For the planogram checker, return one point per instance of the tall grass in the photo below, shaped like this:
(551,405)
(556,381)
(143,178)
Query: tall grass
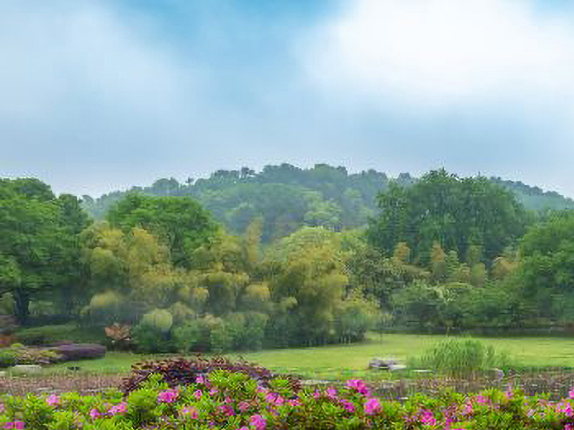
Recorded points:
(462,358)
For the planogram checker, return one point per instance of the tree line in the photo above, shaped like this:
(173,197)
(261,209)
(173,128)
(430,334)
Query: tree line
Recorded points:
(441,253)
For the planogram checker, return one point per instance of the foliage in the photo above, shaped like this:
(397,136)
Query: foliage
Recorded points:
(52,334)
(19,354)
(547,269)
(460,358)
(179,372)
(443,211)
(39,248)
(233,400)
(180,222)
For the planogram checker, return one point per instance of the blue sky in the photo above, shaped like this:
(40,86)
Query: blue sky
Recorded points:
(100,95)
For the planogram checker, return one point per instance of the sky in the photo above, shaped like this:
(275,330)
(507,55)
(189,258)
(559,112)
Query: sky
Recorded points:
(100,95)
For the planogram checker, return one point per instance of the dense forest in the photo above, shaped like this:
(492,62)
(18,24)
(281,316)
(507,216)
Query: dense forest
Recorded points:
(287,197)
(286,257)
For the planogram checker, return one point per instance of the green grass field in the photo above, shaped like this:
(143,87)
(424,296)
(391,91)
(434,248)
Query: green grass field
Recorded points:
(336,360)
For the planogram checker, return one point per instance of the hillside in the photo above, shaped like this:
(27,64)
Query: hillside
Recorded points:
(287,197)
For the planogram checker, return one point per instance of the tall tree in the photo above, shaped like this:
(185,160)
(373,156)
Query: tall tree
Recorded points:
(180,222)
(457,213)
(39,248)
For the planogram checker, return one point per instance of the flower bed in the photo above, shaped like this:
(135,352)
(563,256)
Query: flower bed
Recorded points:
(224,399)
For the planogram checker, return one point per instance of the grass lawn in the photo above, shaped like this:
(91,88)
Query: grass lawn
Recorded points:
(331,361)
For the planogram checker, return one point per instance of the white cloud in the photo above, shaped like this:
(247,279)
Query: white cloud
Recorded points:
(444,53)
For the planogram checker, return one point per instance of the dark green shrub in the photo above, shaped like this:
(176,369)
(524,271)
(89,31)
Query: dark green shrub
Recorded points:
(220,336)
(8,357)
(189,336)
(53,334)
(149,339)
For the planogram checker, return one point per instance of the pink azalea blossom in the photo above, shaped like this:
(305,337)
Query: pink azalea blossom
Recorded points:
(427,417)
(227,410)
(243,406)
(258,422)
(94,413)
(118,409)
(17,425)
(213,392)
(167,396)
(372,406)
(359,385)
(53,400)
(348,405)
(274,399)
(200,380)
(197,394)
(331,393)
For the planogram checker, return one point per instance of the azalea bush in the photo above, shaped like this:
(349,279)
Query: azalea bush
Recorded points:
(222,399)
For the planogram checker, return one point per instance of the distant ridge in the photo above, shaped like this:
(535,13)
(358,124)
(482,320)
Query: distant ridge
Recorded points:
(287,197)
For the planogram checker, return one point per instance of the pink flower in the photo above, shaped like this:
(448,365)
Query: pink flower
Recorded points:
(2,408)
(349,406)
(167,396)
(18,425)
(192,412)
(213,392)
(197,394)
(118,409)
(227,410)
(468,409)
(571,393)
(94,413)
(200,380)
(53,400)
(481,399)
(243,406)
(428,417)
(331,393)
(294,402)
(359,385)
(372,406)
(258,422)
(569,427)
(274,399)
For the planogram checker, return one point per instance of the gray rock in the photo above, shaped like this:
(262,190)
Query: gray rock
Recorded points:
(26,369)
(395,367)
(382,363)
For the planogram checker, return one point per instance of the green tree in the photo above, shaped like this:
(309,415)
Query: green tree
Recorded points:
(447,209)
(39,248)
(180,222)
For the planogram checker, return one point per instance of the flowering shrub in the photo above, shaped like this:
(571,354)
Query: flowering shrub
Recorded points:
(237,401)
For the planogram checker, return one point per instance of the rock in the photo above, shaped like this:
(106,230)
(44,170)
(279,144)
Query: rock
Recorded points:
(382,363)
(395,367)
(26,369)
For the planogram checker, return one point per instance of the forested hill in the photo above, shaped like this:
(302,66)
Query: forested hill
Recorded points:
(287,197)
